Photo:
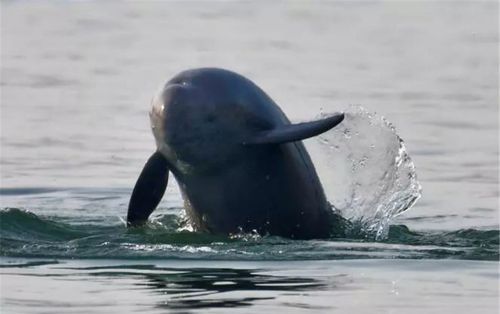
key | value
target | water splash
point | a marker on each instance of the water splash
(366, 171)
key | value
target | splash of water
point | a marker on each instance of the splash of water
(366, 171)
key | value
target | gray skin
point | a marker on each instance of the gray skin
(239, 162)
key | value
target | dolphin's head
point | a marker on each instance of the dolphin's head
(208, 118)
(202, 123)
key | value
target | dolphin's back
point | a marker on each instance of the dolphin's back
(274, 190)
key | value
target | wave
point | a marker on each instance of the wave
(24, 234)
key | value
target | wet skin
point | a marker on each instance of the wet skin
(239, 162)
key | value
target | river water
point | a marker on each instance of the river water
(76, 83)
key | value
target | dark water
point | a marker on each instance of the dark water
(24, 234)
(76, 83)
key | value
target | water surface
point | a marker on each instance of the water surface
(77, 79)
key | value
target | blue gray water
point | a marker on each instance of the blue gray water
(76, 84)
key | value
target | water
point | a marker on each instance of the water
(77, 79)
(370, 177)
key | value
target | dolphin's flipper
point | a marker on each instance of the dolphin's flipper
(148, 190)
(296, 132)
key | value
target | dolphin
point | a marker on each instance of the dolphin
(239, 162)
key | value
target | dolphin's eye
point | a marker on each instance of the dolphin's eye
(258, 123)
(210, 117)
(250, 119)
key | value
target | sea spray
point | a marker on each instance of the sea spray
(367, 172)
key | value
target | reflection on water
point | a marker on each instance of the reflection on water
(186, 286)
(206, 287)
(191, 288)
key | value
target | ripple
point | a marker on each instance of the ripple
(24, 234)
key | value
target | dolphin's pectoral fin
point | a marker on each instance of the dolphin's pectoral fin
(296, 132)
(148, 190)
